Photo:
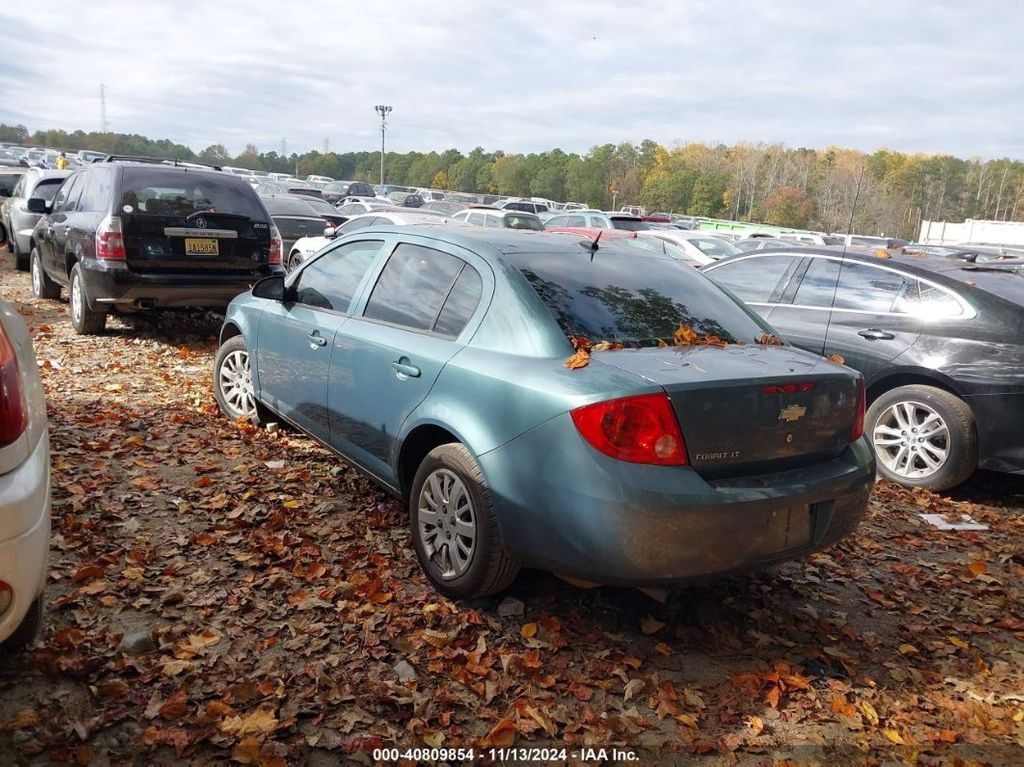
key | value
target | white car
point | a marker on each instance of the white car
(307, 246)
(24, 485)
(700, 246)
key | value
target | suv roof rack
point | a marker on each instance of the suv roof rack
(158, 161)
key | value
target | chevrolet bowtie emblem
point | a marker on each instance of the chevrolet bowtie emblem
(792, 413)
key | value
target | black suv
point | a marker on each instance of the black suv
(135, 234)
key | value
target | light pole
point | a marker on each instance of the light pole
(382, 110)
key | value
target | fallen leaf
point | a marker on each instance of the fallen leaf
(502, 735)
(687, 719)
(578, 360)
(651, 625)
(836, 358)
(684, 336)
(755, 724)
(528, 630)
(869, 712)
(978, 568)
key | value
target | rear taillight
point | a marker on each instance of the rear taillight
(276, 246)
(13, 411)
(109, 240)
(858, 420)
(640, 429)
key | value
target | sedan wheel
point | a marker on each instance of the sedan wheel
(232, 382)
(294, 260)
(42, 285)
(923, 437)
(454, 526)
(447, 523)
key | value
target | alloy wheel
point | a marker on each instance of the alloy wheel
(447, 523)
(37, 277)
(235, 380)
(911, 439)
(76, 300)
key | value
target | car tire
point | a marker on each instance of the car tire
(85, 321)
(29, 627)
(451, 506)
(42, 285)
(945, 452)
(294, 260)
(232, 383)
(20, 259)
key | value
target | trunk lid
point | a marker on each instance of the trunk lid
(750, 409)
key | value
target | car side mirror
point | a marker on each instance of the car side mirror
(329, 232)
(38, 205)
(271, 287)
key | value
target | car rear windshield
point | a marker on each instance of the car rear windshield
(632, 298)
(180, 192)
(295, 228)
(630, 224)
(524, 221)
(47, 188)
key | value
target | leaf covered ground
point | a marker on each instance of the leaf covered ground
(220, 593)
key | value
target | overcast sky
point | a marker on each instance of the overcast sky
(521, 75)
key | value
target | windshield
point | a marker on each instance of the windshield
(633, 299)
(630, 224)
(47, 188)
(714, 247)
(178, 192)
(524, 221)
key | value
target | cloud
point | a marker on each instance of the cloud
(526, 76)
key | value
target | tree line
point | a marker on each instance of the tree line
(883, 192)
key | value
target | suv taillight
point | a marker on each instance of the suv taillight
(858, 420)
(13, 410)
(109, 240)
(639, 429)
(276, 246)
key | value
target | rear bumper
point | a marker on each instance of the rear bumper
(114, 284)
(564, 507)
(24, 533)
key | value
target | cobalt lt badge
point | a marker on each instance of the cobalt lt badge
(792, 413)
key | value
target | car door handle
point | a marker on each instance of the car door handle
(404, 368)
(316, 340)
(874, 334)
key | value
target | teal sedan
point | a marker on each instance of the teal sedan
(601, 413)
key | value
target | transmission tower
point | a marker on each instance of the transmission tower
(104, 124)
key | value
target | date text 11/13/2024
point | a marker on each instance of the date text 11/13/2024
(502, 755)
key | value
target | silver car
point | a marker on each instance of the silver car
(18, 221)
(24, 485)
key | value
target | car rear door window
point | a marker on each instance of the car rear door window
(867, 288)
(460, 304)
(67, 198)
(818, 287)
(331, 281)
(477, 219)
(413, 287)
(758, 279)
(926, 300)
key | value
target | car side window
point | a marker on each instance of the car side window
(460, 304)
(556, 221)
(331, 281)
(575, 221)
(599, 223)
(754, 279)
(413, 287)
(493, 222)
(477, 219)
(867, 288)
(927, 300)
(818, 286)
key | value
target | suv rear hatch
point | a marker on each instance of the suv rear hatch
(185, 220)
(750, 409)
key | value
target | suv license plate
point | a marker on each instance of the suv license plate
(201, 247)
